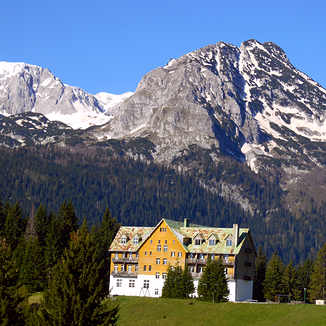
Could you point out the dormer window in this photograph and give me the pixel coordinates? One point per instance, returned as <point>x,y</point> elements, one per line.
<point>135,240</point>
<point>123,240</point>
<point>212,242</point>
<point>228,243</point>
<point>197,242</point>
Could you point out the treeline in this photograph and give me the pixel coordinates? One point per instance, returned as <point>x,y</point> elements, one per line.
<point>275,281</point>
<point>141,193</point>
<point>52,252</point>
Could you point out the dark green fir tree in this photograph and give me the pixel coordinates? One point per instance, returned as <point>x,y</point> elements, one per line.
<point>213,285</point>
<point>75,291</point>
<point>260,271</point>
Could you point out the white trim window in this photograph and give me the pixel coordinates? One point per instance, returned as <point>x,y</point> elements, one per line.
<point>164,276</point>
<point>157,275</point>
<point>165,249</point>
<point>158,247</point>
<point>158,261</point>
<point>119,282</point>
<point>131,283</point>
<point>165,261</point>
<point>156,292</point>
<point>129,268</point>
<point>172,254</point>
<point>146,284</point>
<point>115,268</point>
<point>179,254</point>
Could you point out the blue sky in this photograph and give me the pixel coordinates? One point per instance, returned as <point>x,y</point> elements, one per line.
<point>107,46</point>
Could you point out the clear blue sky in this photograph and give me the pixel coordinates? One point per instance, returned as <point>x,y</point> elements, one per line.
<point>104,45</point>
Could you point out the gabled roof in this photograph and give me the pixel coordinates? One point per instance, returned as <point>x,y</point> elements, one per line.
<point>130,232</point>
<point>181,232</point>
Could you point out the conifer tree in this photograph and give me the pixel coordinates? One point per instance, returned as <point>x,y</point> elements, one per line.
<point>75,291</point>
<point>42,221</point>
<point>291,282</point>
<point>213,285</point>
<point>2,219</point>
<point>32,271</point>
<point>273,283</point>
<point>317,289</point>
<point>260,271</point>
<point>304,274</point>
<point>9,298</point>
<point>187,283</point>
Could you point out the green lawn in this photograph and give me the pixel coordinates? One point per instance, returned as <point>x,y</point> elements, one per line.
<point>151,311</point>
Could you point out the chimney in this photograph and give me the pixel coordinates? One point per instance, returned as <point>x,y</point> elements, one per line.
<point>186,223</point>
<point>235,235</point>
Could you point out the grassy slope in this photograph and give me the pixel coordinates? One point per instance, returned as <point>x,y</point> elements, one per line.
<point>150,311</point>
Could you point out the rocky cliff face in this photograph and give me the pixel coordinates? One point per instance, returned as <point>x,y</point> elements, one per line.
<point>26,88</point>
<point>244,101</point>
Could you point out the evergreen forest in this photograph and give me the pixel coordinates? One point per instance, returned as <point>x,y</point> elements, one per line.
<point>140,193</point>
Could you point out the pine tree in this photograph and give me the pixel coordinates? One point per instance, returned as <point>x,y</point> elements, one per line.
<point>291,282</point>
<point>2,219</point>
<point>42,221</point>
<point>187,283</point>
<point>9,298</point>
<point>260,271</point>
<point>75,292</point>
<point>68,222</point>
<point>32,272</point>
<point>273,284</point>
<point>304,274</point>
<point>213,285</point>
<point>317,289</point>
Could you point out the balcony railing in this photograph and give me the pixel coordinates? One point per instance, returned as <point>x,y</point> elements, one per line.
<point>124,273</point>
<point>196,275</point>
<point>228,262</point>
<point>125,259</point>
<point>196,260</point>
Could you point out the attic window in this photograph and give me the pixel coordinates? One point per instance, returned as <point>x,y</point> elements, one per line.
<point>135,240</point>
<point>228,243</point>
<point>197,242</point>
<point>212,242</point>
<point>123,240</point>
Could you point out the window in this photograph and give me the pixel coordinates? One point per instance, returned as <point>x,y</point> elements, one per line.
<point>131,283</point>
<point>136,240</point>
<point>164,229</point>
<point>157,275</point>
<point>173,241</point>
<point>164,276</point>
<point>122,268</point>
<point>144,268</point>
<point>179,254</point>
<point>129,268</point>
<point>158,261</point>
<point>212,242</point>
<point>159,241</point>
<point>119,283</point>
<point>165,248</point>
<point>191,269</point>
<point>116,255</point>
<point>212,256</point>
<point>149,268</point>
<point>151,241</point>
<point>200,269</point>
<point>115,268</point>
<point>150,253</point>
<point>201,256</point>
<point>165,261</point>
<point>225,257</point>
<point>137,254</point>
<point>123,255</point>
<point>158,247</point>
<point>130,254</point>
<point>197,242</point>
<point>146,284</point>
<point>166,241</point>
<point>192,255</point>
<point>172,254</point>
<point>229,243</point>
<point>145,253</point>
<point>156,292</point>
<point>123,240</point>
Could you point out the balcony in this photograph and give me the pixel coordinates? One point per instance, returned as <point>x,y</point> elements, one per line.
<point>247,264</point>
<point>228,262</point>
<point>124,273</point>
<point>196,275</point>
<point>196,261</point>
<point>125,259</point>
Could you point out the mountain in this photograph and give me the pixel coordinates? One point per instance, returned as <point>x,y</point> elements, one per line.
<point>241,122</point>
<point>28,88</point>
